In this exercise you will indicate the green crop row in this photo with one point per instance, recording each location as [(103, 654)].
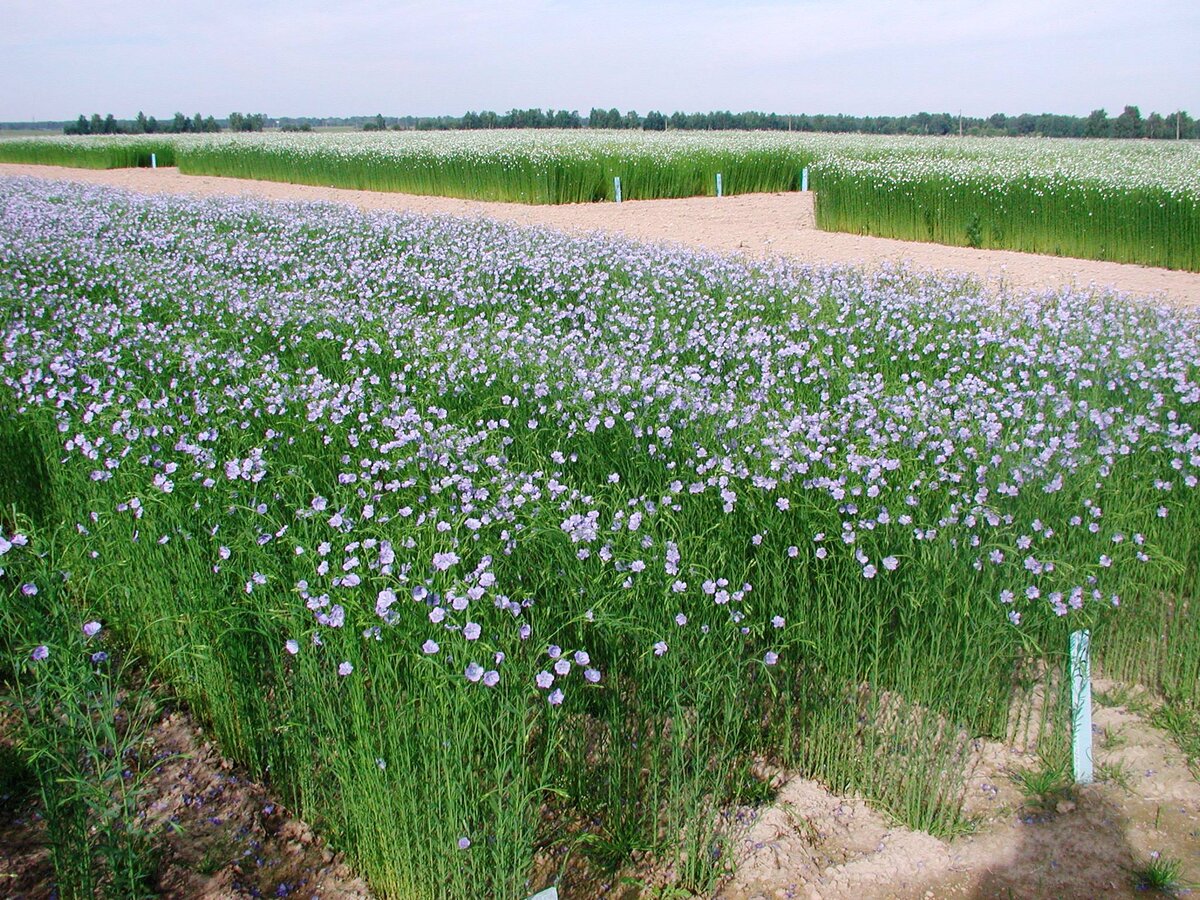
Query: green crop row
[(84, 154)]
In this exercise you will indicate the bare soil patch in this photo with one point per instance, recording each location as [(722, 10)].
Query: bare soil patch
[(224, 835), (754, 225), (1076, 842)]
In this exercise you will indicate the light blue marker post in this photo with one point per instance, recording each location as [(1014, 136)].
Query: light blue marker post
[(548, 894), (153, 161), (1081, 706), (720, 193), (617, 188), (804, 179)]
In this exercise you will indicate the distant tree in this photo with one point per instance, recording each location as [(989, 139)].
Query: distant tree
[(80, 127), (197, 123), (375, 124), (632, 119), (1183, 125), (96, 126), (210, 125), (110, 124), (1156, 126), (152, 126), (1129, 124), (237, 121), (139, 124), (1097, 124), (470, 120), (655, 121), (564, 119), (180, 124)]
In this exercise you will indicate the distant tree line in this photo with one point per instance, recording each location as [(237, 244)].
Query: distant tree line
[(180, 124), (1129, 124)]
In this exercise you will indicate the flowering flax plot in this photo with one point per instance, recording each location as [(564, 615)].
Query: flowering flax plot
[(484, 543)]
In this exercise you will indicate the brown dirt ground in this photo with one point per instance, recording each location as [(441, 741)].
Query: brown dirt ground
[(1087, 841), (224, 835), (750, 224), (808, 843)]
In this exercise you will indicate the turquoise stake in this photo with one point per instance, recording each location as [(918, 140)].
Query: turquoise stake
[(1081, 706)]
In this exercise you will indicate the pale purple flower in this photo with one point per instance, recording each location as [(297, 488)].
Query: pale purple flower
[(430, 647), (474, 672), (384, 601), (555, 698), (562, 667), (39, 653), (345, 669), (544, 679), (464, 843), (443, 561), (29, 589), (778, 621), (292, 647), (491, 678), (660, 647), (91, 629), (591, 675), (471, 631), (770, 657)]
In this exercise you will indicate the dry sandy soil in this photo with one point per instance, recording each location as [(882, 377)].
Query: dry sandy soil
[(808, 843), (751, 224)]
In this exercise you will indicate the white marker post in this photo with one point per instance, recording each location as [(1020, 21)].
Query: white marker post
[(804, 179), (617, 188), (549, 893), (153, 161), (720, 192), (1081, 706)]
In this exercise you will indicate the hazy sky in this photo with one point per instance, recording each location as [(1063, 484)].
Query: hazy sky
[(59, 58)]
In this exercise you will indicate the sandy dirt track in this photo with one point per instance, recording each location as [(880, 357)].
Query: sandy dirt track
[(751, 224)]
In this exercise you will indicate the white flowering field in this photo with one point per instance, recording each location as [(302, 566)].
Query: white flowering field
[(485, 544)]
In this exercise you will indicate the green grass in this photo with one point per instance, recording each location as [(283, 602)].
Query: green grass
[(1053, 216), (89, 152), (536, 176)]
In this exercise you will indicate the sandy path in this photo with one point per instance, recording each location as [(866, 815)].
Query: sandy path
[(753, 224)]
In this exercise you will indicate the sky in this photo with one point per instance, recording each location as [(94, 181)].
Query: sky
[(60, 58)]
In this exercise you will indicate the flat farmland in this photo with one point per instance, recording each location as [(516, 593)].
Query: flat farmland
[(510, 556)]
